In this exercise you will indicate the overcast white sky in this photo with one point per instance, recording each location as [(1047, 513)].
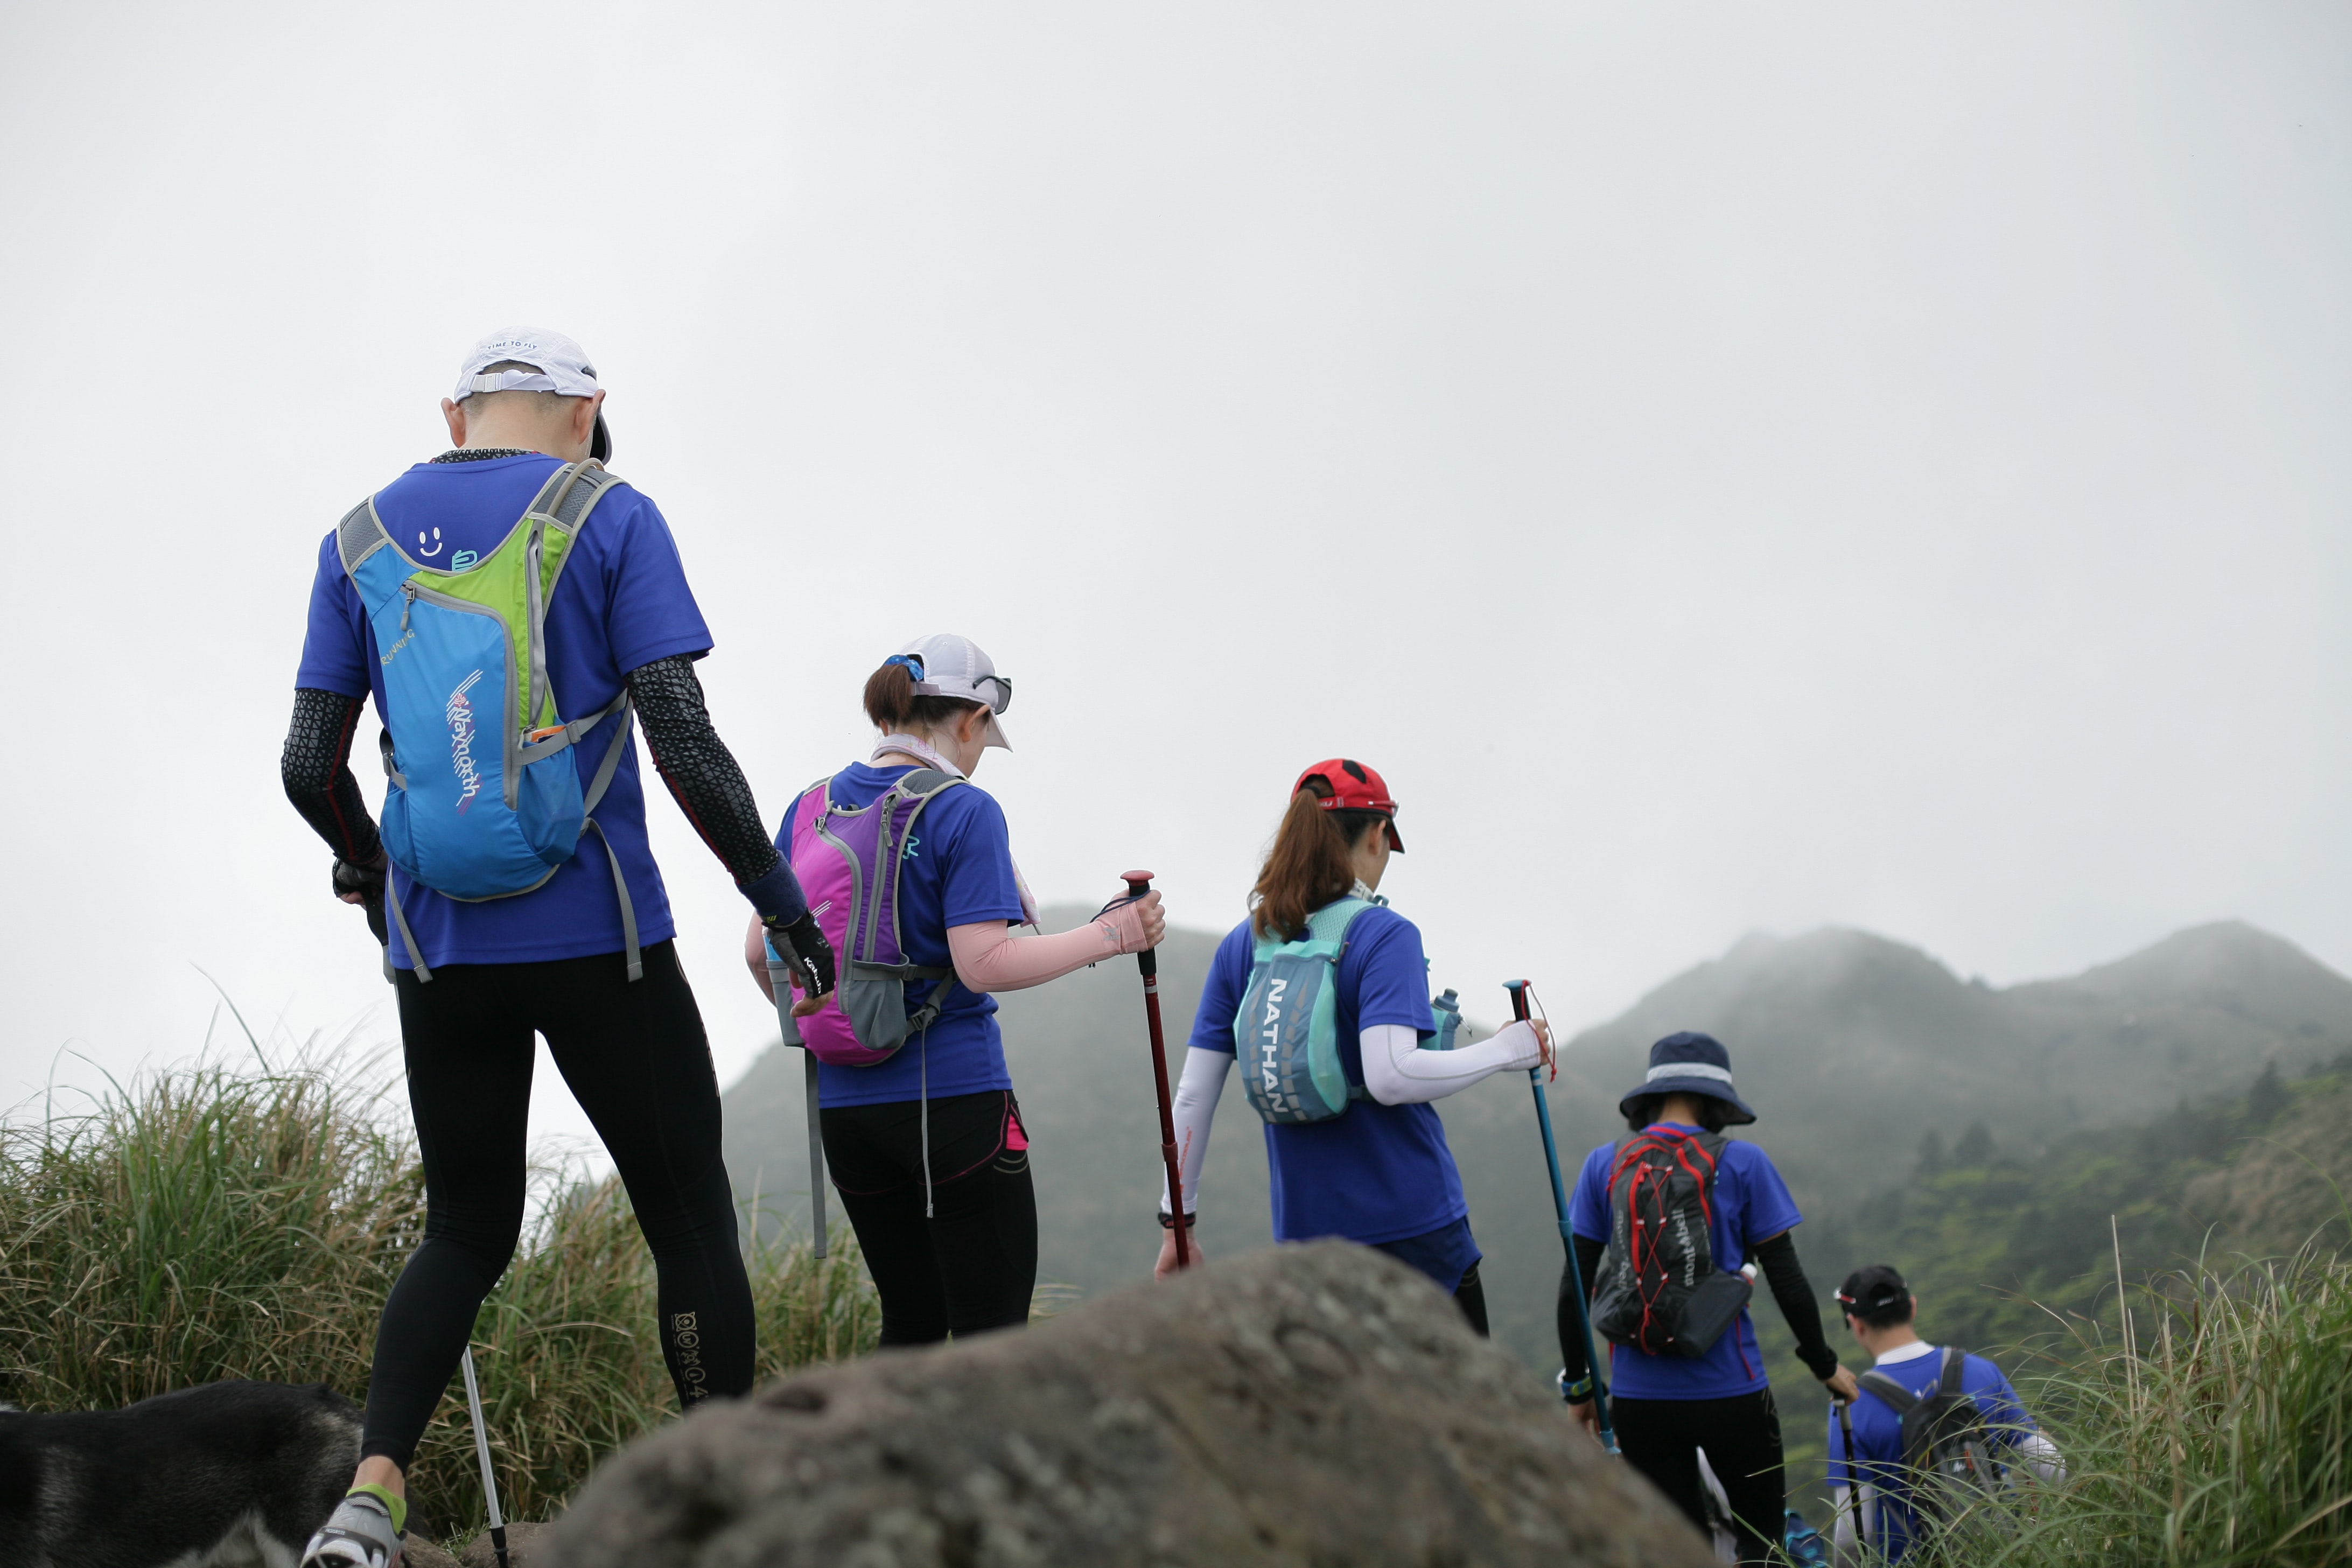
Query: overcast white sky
[(1731, 468)]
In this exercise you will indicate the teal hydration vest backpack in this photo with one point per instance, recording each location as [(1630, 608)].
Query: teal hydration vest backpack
[(483, 796), (1286, 1031)]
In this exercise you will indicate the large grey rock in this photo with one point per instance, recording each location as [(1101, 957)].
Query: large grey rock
[(524, 1543), (1317, 1404)]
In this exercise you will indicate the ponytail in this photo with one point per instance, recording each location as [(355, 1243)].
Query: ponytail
[(1309, 864), (894, 706)]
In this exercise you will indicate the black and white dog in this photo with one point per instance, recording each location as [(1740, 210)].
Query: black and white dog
[(231, 1475)]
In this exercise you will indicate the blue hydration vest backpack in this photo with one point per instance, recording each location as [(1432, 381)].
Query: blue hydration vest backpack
[(1286, 1030), (483, 798)]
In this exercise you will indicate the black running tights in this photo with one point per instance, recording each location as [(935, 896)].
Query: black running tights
[(635, 1057), (1662, 1438), (972, 1265)]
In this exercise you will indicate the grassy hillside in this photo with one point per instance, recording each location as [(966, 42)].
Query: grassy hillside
[(200, 1223), (2017, 1255), (1852, 1048)]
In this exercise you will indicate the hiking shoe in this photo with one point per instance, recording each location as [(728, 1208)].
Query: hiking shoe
[(358, 1534)]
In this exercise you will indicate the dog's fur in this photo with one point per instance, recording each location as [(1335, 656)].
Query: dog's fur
[(231, 1475)]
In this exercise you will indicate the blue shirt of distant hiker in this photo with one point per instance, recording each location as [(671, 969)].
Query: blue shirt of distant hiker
[(1375, 1172), (1751, 1204), (1878, 1436), (621, 602), (957, 870)]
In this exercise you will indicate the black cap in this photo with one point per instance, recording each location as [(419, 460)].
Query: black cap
[(1871, 1290)]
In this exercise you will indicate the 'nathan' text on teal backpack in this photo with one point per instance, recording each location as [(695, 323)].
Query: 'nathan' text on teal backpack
[(1286, 1032)]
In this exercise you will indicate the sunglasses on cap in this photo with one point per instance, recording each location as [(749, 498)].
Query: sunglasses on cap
[(995, 690)]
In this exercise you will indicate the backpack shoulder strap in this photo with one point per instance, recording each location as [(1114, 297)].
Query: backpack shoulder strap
[(1900, 1398), (572, 493), (1330, 923), (1955, 1365), (360, 535), (925, 783)]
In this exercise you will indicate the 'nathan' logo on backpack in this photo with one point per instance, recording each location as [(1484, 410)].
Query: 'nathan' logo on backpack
[(1286, 1029), (1659, 1290), (484, 797), (460, 714)]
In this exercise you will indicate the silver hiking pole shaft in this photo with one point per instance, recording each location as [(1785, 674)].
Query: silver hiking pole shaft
[(779, 982), (482, 1452)]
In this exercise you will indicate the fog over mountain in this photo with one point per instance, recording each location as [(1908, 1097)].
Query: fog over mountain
[(1850, 1046)]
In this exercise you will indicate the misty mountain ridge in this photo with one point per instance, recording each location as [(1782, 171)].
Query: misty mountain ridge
[(1852, 1047), (1835, 1024)]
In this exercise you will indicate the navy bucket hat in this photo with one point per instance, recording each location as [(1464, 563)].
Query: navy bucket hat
[(1691, 1063)]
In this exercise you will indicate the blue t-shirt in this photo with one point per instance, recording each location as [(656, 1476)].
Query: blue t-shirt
[(622, 602), (1375, 1172), (957, 871), (1751, 1204), (1878, 1435)]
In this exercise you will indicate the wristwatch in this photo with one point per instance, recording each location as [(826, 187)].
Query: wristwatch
[(1167, 1221)]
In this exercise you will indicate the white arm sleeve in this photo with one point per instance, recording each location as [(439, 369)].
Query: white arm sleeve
[(1399, 1072), (2043, 1456), (1196, 1108)]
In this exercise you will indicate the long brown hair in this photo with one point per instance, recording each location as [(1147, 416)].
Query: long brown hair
[(1308, 865), (893, 703)]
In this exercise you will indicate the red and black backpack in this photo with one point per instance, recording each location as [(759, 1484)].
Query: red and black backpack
[(1659, 1290)]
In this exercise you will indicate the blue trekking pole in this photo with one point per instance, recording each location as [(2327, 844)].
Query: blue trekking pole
[(780, 981), (1608, 1434)]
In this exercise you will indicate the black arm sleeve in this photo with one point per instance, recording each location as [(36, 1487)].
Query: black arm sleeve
[(699, 769), (1571, 1337), (315, 767), (1794, 1292)]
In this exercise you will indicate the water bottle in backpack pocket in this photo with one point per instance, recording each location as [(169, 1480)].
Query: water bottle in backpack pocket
[(848, 859)]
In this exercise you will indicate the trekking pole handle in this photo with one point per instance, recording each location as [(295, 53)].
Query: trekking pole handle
[(1518, 990), (1138, 884)]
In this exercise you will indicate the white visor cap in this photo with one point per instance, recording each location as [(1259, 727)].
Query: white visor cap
[(955, 666), (564, 366)]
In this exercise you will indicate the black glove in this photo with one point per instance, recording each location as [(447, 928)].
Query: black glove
[(368, 882), (805, 952)]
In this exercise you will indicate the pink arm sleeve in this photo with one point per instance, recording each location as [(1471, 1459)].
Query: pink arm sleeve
[(989, 957)]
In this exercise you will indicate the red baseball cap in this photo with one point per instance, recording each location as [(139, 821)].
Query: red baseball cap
[(1354, 787)]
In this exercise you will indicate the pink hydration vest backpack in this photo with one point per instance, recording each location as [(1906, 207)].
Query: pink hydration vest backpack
[(848, 863)]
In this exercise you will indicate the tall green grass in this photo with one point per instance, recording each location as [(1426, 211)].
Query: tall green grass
[(2206, 1424), (200, 1223)]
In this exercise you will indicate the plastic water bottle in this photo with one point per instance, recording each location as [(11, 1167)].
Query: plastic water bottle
[(1445, 1018)]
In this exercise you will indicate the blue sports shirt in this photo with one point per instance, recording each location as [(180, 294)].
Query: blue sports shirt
[(622, 602), (1751, 1204), (1375, 1172), (1878, 1435), (956, 870)]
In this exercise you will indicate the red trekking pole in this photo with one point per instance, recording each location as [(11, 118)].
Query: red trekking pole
[(1138, 884)]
